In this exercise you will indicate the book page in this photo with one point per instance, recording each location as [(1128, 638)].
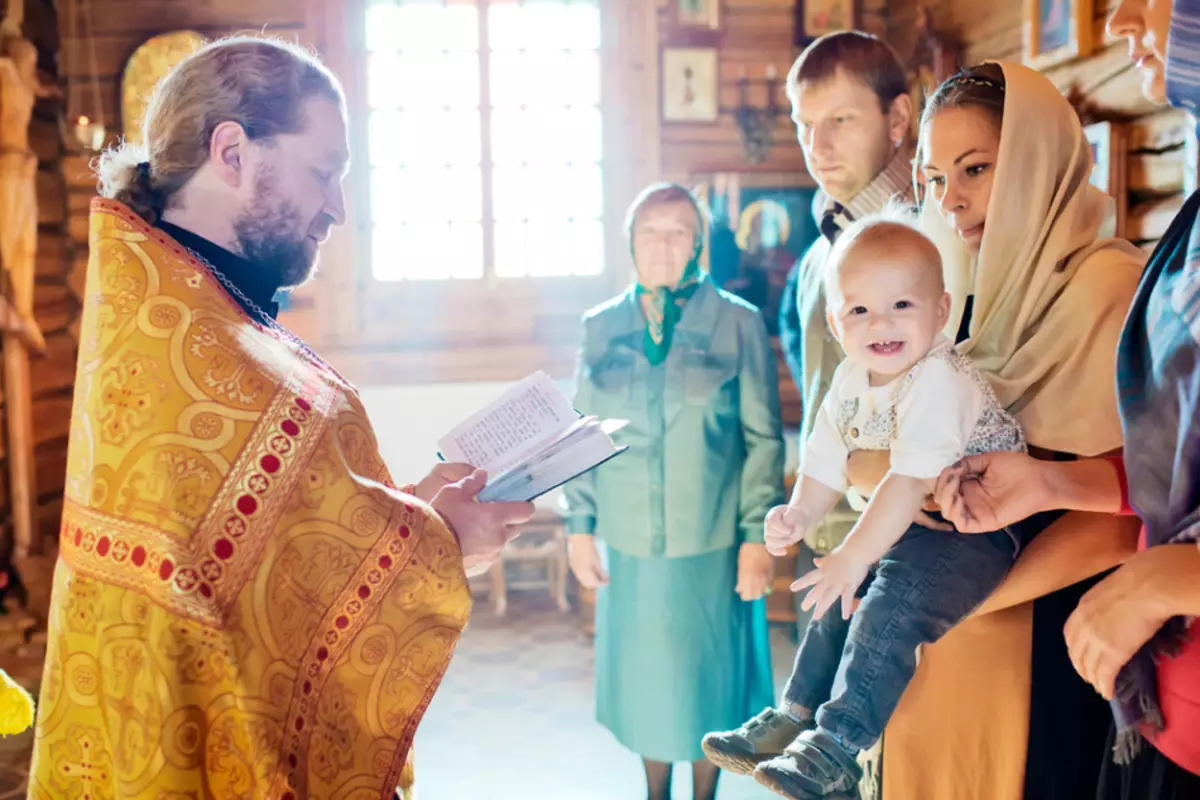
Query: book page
[(519, 423)]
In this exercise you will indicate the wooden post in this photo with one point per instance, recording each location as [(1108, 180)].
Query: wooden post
[(21, 468), (18, 166)]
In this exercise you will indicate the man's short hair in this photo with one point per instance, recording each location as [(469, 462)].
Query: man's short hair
[(866, 58)]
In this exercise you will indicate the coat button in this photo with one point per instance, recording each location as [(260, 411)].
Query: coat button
[(854, 433)]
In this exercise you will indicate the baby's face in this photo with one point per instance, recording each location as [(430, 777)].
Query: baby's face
[(888, 308)]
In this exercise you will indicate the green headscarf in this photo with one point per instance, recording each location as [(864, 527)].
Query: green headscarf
[(664, 310)]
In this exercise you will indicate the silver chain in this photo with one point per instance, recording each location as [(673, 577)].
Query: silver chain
[(263, 316)]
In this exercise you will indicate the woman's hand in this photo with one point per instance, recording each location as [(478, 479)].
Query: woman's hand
[(756, 569), (482, 529), (585, 561), (1120, 614), (838, 574), (988, 492)]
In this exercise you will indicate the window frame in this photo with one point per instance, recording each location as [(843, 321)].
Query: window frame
[(475, 295)]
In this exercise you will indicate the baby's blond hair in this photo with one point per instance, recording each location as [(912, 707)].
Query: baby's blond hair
[(895, 224)]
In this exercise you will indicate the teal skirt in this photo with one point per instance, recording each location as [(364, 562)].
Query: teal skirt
[(678, 654)]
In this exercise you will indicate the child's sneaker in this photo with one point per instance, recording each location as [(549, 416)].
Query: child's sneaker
[(762, 738), (814, 766)]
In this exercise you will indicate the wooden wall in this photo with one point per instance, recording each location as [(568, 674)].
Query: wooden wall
[(755, 34), (1106, 82), (119, 27), (56, 307)]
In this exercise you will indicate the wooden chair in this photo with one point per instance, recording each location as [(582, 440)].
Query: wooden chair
[(543, 542)]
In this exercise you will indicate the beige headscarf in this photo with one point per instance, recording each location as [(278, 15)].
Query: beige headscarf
[(1050, 295)]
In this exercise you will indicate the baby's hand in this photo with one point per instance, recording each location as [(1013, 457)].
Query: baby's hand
[(837, 575), (783, 528)]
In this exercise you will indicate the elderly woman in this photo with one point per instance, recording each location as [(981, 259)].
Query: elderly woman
[(681, 638)]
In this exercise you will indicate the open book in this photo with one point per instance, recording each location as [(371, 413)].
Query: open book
[(530, 440)]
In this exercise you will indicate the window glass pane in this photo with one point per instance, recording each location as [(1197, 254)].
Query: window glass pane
[(423, 80), (384, 26), (547, 81), (426, 195), (408, 252), (463, 250), (430, 251), (383, 88), (424, 143), (387, 200), (583, 133), (584, 195), (509, 80), (587, 247), (511, 134), (543, 22), (509, 241), (581, 26), (511, 193), (549, 249), (385, 130), (505, 27), (424, 137), (548, 193), (422, 26), (557, 137), (581, 78)]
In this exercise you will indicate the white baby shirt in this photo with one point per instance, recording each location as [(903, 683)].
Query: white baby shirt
[(929, 418)]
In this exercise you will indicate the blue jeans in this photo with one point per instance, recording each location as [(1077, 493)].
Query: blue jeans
[(853, 672)]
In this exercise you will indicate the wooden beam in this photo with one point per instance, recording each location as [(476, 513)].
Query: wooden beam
[(21, 465)]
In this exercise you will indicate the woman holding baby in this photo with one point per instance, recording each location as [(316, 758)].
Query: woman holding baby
[(1037, 297), (1045, 301), (1129, 636)]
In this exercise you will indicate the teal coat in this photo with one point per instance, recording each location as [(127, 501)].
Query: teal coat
[(705, 459)]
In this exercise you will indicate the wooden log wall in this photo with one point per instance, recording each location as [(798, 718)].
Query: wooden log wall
[(755, 34), (56, 306), (1106, 83), (119, 27)]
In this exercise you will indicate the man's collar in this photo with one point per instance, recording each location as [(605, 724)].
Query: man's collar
[(255, 283), (893, 181)]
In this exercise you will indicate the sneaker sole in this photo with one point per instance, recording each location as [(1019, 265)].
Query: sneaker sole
[(736, 761), (765, 779)]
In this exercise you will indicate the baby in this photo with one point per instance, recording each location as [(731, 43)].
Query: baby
[(904, 388)]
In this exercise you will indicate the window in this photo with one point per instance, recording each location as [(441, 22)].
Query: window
[(484, 139)]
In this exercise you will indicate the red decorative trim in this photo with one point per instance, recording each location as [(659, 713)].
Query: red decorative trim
[(201, 576), (344, 621)]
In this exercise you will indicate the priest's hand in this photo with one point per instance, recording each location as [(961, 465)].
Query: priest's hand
[(482, 529), (439, 477)]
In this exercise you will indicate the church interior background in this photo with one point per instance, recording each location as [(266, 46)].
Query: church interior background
[(451, 282)]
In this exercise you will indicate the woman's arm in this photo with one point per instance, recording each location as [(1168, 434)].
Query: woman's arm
[(992, 491), (1074, 548), (578, 501)]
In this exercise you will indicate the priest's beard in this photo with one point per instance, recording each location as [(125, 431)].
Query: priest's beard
[(273, 238)]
